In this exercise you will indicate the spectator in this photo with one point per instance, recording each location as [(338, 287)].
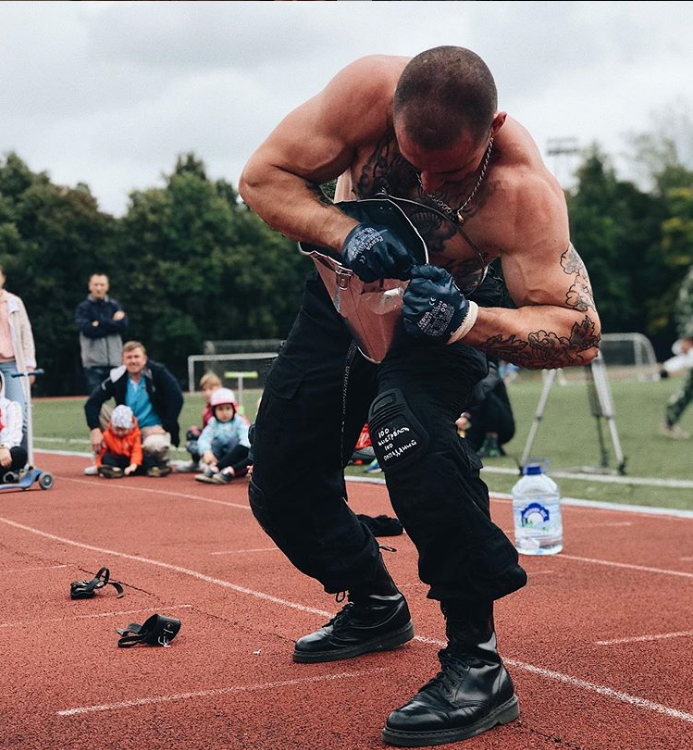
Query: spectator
[(13, 455), (209, 382), (489, 422), (121, 454), (155, 398), (101, 323), (363, 450), (17, 353), (224, 444), (677, 404)]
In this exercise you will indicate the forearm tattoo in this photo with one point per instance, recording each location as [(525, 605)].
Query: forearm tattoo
[(548, 349)]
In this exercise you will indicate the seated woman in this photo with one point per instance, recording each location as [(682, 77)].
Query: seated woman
[(12, 455)]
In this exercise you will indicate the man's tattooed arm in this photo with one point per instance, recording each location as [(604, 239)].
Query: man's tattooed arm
[(546, 349), (579, 295), (541, 335)]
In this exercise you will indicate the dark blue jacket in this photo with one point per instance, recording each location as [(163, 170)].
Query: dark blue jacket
[(100, 345), (102, 310), (163, 389)]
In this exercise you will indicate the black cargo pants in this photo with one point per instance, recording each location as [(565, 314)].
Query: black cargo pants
[(316, 400)]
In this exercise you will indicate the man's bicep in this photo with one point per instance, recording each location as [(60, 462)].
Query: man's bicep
[(549, 276), (317, 140)]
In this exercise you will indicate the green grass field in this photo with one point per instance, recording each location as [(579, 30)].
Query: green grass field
[(567, 437)]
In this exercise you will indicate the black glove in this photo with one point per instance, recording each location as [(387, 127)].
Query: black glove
[(374, 252), (433, 306)]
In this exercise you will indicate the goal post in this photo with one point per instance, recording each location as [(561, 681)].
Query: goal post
[(629, 356)]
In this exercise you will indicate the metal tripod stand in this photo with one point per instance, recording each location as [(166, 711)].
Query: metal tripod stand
[(602, 409)]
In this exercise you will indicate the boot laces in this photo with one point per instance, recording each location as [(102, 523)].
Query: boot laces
[(454, 666), (344, 614)]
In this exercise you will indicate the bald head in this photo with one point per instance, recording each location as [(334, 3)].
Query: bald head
[(444, 94)]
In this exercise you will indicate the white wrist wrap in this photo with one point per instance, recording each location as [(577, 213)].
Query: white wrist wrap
[(467, 323)]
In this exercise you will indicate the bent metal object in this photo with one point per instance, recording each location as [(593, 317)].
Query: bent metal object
[(372, 311)]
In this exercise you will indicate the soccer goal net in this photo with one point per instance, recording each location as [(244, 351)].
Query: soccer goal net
[(629, 356), (241, 365)]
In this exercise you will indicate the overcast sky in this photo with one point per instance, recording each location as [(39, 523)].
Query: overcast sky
[(109, 93)]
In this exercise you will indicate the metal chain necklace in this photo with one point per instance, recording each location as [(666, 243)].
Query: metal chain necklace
[(452, 213)]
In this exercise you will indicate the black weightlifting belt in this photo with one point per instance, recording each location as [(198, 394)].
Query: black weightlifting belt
[(157, 630), (87, 589)]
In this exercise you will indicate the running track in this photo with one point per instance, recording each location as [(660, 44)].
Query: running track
[(599, 643)]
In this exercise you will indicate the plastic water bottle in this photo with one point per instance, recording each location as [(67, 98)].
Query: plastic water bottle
[(537, 513)]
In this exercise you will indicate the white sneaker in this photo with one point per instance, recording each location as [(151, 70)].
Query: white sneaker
[(674, 432), (91, 471), (187, 467)]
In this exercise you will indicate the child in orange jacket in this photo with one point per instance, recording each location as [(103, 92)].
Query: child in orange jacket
[(121, 454)]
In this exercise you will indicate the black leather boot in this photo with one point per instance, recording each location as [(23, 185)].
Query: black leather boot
[(472, 693), (375, 619)]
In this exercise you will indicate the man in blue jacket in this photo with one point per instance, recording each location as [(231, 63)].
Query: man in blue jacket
[(155, 398), (101, 323)]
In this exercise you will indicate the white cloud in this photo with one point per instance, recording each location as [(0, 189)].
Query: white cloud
[(109, 93)]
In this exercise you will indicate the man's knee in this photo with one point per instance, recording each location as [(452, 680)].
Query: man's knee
[(262, 510), (105, 416), (158, 446), (397, 435)]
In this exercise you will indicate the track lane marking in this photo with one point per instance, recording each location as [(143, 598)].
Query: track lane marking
[(627, 566), (618, 695), (243, 551), (28, 570), (135, 488), (168, 566), (216, 691), (40, 621), (644, 638)]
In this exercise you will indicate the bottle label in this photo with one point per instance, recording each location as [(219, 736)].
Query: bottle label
[(535, 516)]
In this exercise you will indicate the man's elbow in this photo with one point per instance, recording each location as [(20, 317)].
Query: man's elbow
[(594, 339), (250, 179)]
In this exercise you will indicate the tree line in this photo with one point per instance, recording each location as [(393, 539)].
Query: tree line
[(189, 262)]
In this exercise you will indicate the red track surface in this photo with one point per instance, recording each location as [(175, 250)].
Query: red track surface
[(227, 681)]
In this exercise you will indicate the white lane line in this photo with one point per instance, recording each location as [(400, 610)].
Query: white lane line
[(642, 638), (87, 617), (27, 570), (628, 566), (120, 485), (214, 692), (168, 566), (243, 551), (633, 700), (548, 674), (644, 509), (82, 441)]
